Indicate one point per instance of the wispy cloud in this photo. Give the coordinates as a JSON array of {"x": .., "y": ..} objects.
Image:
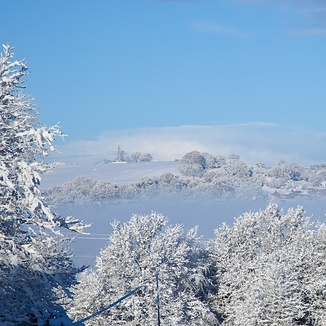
[
  {"x": 254, "y": 142},
  {"x": 215, "y": 28},
  {"x": 308, "y": 17},
  {"x": 309, "y": 31}
]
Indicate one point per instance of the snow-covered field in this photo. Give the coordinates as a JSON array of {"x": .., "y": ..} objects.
[
  {"x": 207, "y": 214},
  {"x": 114, "y": 172}
]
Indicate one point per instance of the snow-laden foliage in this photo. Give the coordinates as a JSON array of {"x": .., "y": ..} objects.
[
  {"x": 34, "y": 259},
  {"x": 83, "y": 189},
  {"x": 137, "y": 251},
  {"x": 271, "y": 269}
]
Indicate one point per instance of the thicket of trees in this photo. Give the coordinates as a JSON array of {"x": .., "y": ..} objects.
[
  {"x": 201, "y": 174},
  {"x": 268, "y": 268},
  {"x": 36, "y": 263}
]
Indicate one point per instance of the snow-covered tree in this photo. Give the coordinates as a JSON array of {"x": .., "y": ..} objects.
[
  {"x": 193, "y": 164},
  {"x": 260, "y": 171},
  {"x": 210, "y": 161},
  {"x": 317, "y": 176},
  {"x": 314, "y": 271},
  {"x": 237, "y": 169},
  {"x": 288, "y": 172},
  {"x": 271, "y": 269},
  {"x": 136, "y": 252},
  {"x": 35, "y": 261},
  {"x": 141, "y": 157},
  {"x": 122, "y": 156},
  {"x": 220, "y": 161}
]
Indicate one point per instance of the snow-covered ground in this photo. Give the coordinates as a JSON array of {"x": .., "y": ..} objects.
[
  {"x": 207, "y": 214},
  {"x": 113, "y": 172}
]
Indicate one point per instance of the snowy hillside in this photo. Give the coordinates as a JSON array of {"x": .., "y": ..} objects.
[{"x": 115, "y": 172}]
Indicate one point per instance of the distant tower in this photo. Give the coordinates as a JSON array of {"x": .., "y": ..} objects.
[{"x": 119, "y": 153}]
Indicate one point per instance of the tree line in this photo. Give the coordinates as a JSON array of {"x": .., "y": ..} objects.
[{"x": 202, "y": 175}]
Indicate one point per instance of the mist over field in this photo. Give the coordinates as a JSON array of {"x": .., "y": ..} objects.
[{"x": 206, "y": 213}]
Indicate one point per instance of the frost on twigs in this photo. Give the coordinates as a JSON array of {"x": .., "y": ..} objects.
[
  {"x": 34, "y": 258},
  {"x": 73, "y": 224}
]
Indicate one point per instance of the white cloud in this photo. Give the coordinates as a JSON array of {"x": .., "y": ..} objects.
[{"x": 254, "y": 142}]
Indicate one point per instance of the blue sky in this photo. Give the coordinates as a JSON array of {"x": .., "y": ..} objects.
[{"x": 115, "y": 71}]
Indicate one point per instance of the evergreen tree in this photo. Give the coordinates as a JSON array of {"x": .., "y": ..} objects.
[{"x": 35, "y": 261}]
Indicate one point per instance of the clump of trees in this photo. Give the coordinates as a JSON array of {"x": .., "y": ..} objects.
[
  {"x": 83, "y": 190},
  {"x": 35, "y": 260},
  {"x": 268, "y": 268},
  {"x": 123, "y": 156}
]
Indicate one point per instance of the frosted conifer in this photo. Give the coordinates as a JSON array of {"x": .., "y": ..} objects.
[{"x": 35, "y": 260}]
